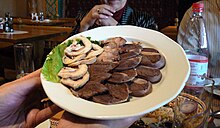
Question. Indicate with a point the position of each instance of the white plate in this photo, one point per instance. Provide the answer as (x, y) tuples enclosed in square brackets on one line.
[(175, 74)]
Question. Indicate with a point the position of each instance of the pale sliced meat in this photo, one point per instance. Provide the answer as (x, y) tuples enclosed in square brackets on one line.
[(73, 73), (71, 51), (75, 84)]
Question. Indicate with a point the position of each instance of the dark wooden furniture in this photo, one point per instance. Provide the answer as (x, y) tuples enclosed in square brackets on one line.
[(34, 33), (66, 22), (170, 31)]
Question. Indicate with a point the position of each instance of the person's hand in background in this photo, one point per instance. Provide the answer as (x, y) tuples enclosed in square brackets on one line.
[(72, 121), (20, 103), (95, 15)]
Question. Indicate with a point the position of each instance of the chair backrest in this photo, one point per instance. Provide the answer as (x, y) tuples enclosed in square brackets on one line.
[(164, 11)]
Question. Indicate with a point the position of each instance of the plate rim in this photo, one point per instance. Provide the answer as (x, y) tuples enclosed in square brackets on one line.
[(101, 114)]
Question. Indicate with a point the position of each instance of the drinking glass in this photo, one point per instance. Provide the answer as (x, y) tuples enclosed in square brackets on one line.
[(192, 106), (24, 63)]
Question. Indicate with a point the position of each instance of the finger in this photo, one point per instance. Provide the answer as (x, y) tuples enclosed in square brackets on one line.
[(107, 7), (103, 11), (47, 113), (31, 75), (22, 88), (77, 121)]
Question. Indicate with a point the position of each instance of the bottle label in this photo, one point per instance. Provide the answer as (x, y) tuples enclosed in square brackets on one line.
[(199, 67)]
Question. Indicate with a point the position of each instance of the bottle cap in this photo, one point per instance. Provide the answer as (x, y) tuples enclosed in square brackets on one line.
[(198, 7)]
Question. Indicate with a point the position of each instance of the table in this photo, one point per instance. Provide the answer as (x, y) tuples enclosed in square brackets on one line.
[(36, 35), (33, 33), (47, 22)]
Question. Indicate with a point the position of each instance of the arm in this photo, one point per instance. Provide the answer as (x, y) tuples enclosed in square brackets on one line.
[(72, 121), (85, 20), (20, 102)]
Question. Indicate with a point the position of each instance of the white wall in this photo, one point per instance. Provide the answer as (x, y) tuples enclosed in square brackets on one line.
[(17, 8)]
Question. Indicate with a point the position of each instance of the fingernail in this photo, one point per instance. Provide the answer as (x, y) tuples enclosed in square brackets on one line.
[(106, 17)]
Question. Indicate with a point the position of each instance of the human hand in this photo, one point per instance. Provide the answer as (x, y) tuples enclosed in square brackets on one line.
[(20, 103), (97, 12), (72, 121), (110, 21)]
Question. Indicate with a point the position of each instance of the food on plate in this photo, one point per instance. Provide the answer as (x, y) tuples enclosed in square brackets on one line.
[(130, 63), (152, 58), (148, 73), (73, 73), (76, 83), (122, 76), (107, 72), (76, 49), (118, 93), (140, 87)]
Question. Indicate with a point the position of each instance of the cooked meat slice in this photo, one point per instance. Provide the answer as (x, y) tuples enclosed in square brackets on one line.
[(131, 48), (75, 83), (140, 87), (73, 73), (106, 99), (109, 55), (123, 76), (148, 73), (101, 67), (118, 93), (90, 89), (151, 57), (128, 55), (99, 76), (73, 51), (129, 63), (114, 42)]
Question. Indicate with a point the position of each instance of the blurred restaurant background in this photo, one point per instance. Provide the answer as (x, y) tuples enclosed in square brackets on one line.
[(60, 15)]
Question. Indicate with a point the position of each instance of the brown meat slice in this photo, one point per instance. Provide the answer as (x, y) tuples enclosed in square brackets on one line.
[(91, 88), (106, 99), (102, 67), (128, 55), (99, 76), (151, 57), (123, 76), (148, 73), (131, 48), (114, 42), (118, 93), (129, 63), (140, 87)]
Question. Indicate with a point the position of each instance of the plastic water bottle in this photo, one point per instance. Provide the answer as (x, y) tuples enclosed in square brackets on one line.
[(197, 54)]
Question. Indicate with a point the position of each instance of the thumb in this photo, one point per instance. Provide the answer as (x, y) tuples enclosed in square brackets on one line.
[(47, 113), (36, 116)]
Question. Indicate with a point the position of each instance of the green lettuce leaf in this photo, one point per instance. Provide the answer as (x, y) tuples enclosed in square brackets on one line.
[(53, 63)]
